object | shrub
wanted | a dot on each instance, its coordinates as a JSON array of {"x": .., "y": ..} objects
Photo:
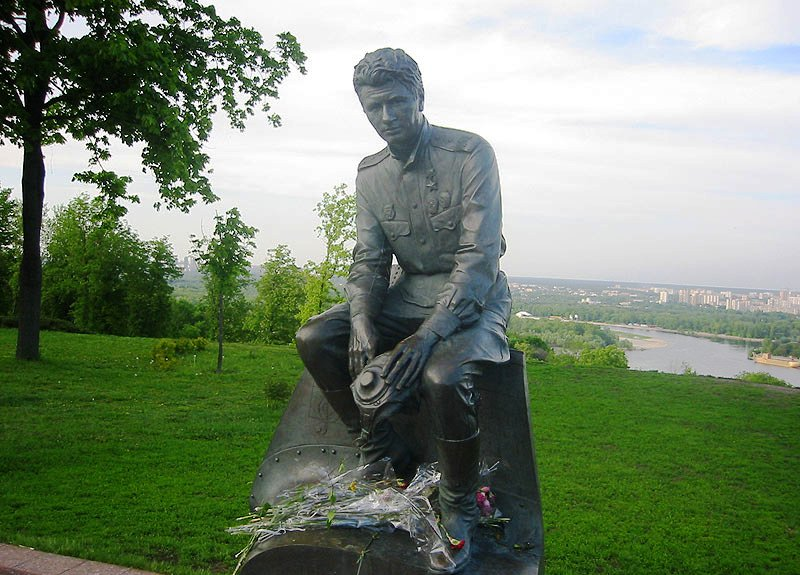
[
  {"x": 562, "y": 359},
  {"x": 277, "y": 392},
  {"x": 761, "y": 377},
  {"x": 533, "y": 346},
  {"x": 48, "y": 323},
  {"x": 166, "y": 352},
  {"x": 609, "y": 356},
  {"x": 185, "y": 345},
  {"x": 190, "y": 331}
]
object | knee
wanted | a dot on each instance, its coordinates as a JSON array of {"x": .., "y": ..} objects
[
  {"x": 324, "y": 334},
  {"x": 308, "y": 339},
  {"x": 440, "y": 376}
]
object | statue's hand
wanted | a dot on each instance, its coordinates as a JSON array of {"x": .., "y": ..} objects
[
  {"x": 409, "y": 357},
  {"x": 363, "y": 343}
]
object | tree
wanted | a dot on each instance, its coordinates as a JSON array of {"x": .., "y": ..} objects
[
  {"x": 274, "y": 318},
  {"x": 337, "y": 210},
  {"x": 100, "y": 276},
  {"x": 10, "y": 248},
  {"x": 148, "y": 71},
  {"x": 149, "y": 299},
  {"x": 185, "y": 319},
  {"x": 223, "y": 260}
]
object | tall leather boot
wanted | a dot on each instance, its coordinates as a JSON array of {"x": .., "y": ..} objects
[
  {"x": 383, "y": 441},
  {"x": 459, "y": 465}
]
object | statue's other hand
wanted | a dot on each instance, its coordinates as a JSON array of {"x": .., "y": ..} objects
[
  {"x": 363, "y": 343},
  {"x": 408, "y": 358}
]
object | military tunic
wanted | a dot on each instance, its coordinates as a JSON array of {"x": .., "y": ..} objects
[{"x": 439, "y": 214}]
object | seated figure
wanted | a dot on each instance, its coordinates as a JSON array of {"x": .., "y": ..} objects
[{"x": 431, "y": 200}]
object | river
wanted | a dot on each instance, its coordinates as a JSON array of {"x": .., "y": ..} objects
[{"x": 673, "y": 353}]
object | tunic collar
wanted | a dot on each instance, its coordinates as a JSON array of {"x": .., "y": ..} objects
[{"x": 419, "y": 148}]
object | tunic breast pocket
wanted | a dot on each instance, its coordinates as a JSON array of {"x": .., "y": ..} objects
[
  {"x": 396, "y": 228},
  {"x": 447, "y": 220}
]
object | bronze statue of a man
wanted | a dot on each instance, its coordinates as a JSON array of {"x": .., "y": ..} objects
[{"x": 430, "y": 199}]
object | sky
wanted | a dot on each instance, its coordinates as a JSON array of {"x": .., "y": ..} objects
[{"x": 654, "y": 142}]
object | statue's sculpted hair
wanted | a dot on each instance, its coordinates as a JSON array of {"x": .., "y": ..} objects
[{"x": 385, "y": 65}]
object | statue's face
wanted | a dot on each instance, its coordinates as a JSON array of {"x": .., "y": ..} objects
[{"x": 394, "y": 111}]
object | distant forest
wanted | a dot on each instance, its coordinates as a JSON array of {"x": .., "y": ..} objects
[{"x": 780, "y": 332}]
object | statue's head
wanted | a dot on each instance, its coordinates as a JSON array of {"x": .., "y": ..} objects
[
  {"x": 389, "y": 87},
  {"x": 388, "y": 65}
]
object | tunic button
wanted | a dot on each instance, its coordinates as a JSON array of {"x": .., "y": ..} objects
[
  {"x": 414, "y": 206},
  {"x": 422, "y": 240}
]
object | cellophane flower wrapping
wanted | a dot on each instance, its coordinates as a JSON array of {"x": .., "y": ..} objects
[{"x": 367, "y": 497}]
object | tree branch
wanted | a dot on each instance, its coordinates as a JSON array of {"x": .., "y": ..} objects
[
  {"x": 11, "y": 20},
  {"x": 6, "y": 121},
  {"x": 62, "y": 13},
  {"x": 56, "y": 100}
]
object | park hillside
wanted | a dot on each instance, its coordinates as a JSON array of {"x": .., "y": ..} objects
[
  {"x": 134, "y": 408},
  {"x": 135, "y": 451}
]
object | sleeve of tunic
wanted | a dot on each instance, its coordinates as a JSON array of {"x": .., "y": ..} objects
[
  {"x": 477, "y": 260},
  {"x": 372, "y": 258}
]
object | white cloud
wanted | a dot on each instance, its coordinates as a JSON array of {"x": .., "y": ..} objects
[
  {"x": 739, "y": 25},
  {"x": 664, "y": 168}
]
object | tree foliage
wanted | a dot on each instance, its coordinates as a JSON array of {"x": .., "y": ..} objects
[
  {"x": 185, "y": 319},
  {"x": 569, "y": 335},
  {"x": 761, "y": 377},
  {"x": 533, "y": 346},
  {"x": 100, "y": 276},
  {"x": 153, "y": 72},
  {"x": 609, "y": 356},
  {"x": 680, "y": 317},
  {"x": 274, "y": 317},
  {"x": 783, "y": 346},
  {"x": 223, "y": 260},
  {"x": 337, "y": 212}
]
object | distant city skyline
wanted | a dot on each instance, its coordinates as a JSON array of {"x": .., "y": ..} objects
[
  {"x": 652, "y": 143},
  {"x": 735, "y": 299}
]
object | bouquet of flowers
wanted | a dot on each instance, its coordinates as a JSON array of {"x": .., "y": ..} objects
[{"x": 365, "y": 497}]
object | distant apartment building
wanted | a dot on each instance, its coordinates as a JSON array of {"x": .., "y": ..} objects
[
  {"x": 187, "y": 264},
  {"x": 696, "y": 298},
  {"x": 742, "y": 304},
  {"x": 784, "y": 301}
]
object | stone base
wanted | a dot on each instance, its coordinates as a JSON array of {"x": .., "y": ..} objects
[
  {"x": 311, "y": 444},
  {"x": 337, "y": 551}
]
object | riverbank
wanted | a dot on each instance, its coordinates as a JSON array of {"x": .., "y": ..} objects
[
  {"x": 640, "y": 342},
  {"x": 704, "y": 356},
  {"x": 703, "y": 334}
]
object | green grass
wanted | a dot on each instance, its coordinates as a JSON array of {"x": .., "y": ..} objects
[
  {"x": 104, "y": 457},
  {"x": 646, "y": 473}
]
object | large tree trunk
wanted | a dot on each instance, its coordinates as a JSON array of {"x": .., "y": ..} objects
[
  {"x": 30, "y": 275},
  {"x": 220, "y": 324}
]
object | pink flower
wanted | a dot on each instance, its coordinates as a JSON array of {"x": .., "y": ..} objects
[{"x": 485, "y": 499}]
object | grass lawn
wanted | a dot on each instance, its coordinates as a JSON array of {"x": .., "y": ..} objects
[{"x": 103, "y": 457}]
